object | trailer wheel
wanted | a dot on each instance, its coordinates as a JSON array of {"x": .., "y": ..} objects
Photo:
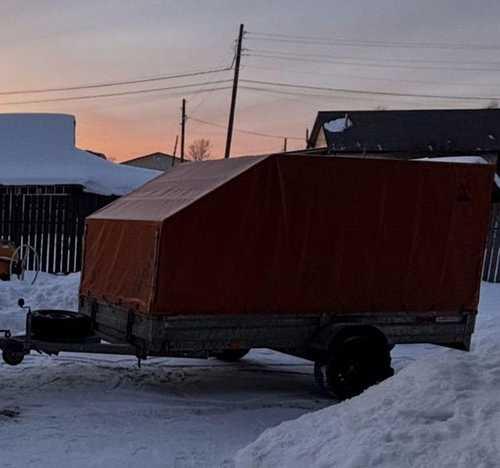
[
  {"x": 231, "y": 355},
  {"x": 355, "y": 364},
  {"x": 12, "y": 358},
  {"x": 53, "y": 325}
]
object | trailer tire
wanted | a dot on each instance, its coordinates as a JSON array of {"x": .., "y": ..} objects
[
  {"x": 13, "y": 354},
  {"x": 353, "y": 365},
  {"x": 55, "y": 325},
  {"x": 231, "y": 355},
  {"x": 12, "y": 358}
]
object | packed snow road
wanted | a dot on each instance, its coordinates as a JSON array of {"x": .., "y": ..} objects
[
  {"x": 103, "y": 411},
  {"x": 88, "y": 411},
  {"x": 442, "y": 407}
]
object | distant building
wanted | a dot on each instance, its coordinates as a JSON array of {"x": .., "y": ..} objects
[
  {"x": 48, "y": 187},
  {"x": 159, "y": 161},
  {"x": 428, "y": 132}
]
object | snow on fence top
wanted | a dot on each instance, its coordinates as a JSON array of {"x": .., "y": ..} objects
[{"x": 39, "y": 149}]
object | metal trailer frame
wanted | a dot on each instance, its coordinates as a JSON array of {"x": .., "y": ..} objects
[
  {"x": 332, "y": 342},
  {"x": 123, "y": 332},
  {"x": 307, "y": 336}
]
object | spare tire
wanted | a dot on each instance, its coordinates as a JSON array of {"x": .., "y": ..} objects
[
  {"x": 231, "y": 355},
  {"x": 59, "y": 325}
]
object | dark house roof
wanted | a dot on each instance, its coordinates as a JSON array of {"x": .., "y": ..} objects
[
  {"x": 427, "y": 131},
  {"x": 159, "y": 161}
]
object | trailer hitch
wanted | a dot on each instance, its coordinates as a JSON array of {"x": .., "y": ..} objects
[{"x": 27, "y": 337}]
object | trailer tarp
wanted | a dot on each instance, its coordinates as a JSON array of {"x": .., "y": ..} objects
[{"x": 294, "y": 234}]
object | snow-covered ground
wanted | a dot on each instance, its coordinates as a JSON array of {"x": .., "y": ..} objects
[
  {"x": 102, "y": 411},
  {"x": 441, "y": 409}
]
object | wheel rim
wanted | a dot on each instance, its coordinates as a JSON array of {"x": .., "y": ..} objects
[
  {"x": 355, "y": 367},
  {"x": 349, "y": 376}
]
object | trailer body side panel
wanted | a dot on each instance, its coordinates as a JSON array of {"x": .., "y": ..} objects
[{"x": 287, "y": 234}]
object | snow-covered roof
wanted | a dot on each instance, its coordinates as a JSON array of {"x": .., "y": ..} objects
[
  {"x": 39, "y": 149},
  {"x": 338, "y": 125},
  {"x": 456, "y": 159}
]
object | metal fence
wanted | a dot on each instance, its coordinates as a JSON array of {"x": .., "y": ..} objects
[
  {"x": 491, "y": 268},
  {"x": 51, "y": 220}
]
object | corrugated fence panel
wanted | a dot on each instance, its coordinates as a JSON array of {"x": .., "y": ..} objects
[
  {"x": 51, "y": 220},
  {"x": 491, "y": 269}
]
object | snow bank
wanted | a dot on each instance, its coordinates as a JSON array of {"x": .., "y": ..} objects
[
  {"x": 443, "y": 410},
  {"x": 48, "y": 292},
  {"x": 39, "y": 149}
]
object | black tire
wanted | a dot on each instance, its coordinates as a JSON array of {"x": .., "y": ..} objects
[
  {"x": 231, "y": 355},
  {"x": 59, "y": 325},
  {"x": 12, "y": 358},
  {"x": 354, "y": 365}
]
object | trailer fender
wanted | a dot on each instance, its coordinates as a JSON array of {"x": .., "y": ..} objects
[{"x": 330, "y": 337}]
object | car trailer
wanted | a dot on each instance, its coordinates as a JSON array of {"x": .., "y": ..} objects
[{"x": 288, "y": 257}]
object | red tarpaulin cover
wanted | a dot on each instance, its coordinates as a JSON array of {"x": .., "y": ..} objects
[{"x": 294, "y": 234}]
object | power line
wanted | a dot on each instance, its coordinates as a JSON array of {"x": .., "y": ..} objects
[
  {"x": 201, "y": 102},
  {"x": 373, "y": 65},
  {"x": 373, "y": 78},
  {"x": 122, "y": 93},
  {"x": 369, "y": 59},
  {"x": 339, "y": 41},
  {"x": 249, "y": 132},
  {"x": 115, "y": 83},
  {"x": 295, "y": 94},
  {"x": 369, "y": 92}
]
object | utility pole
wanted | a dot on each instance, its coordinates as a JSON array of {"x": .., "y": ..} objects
[
  {"x": 285, "y": 141},
  {"x": 307, "y": 138},
  {"x": 175, "y": 149},
  {"x": 235, "y": 92},
  {"x": 175, "y": 145},
  {"x": 183, "y": 128}
]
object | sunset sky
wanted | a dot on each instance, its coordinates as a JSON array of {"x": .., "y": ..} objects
[{"x": 439, "y": 47}]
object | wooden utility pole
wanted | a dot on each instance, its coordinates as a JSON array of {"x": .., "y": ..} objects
[
  {"x": 175, "y": 145},
  {"x": 307, "y": 138},
  {"x": 183, "y": 128},
  {"x": 235, "y": 92},
  {"x": 285, "y": 141},
  {"x": 175, "y": 149}
]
